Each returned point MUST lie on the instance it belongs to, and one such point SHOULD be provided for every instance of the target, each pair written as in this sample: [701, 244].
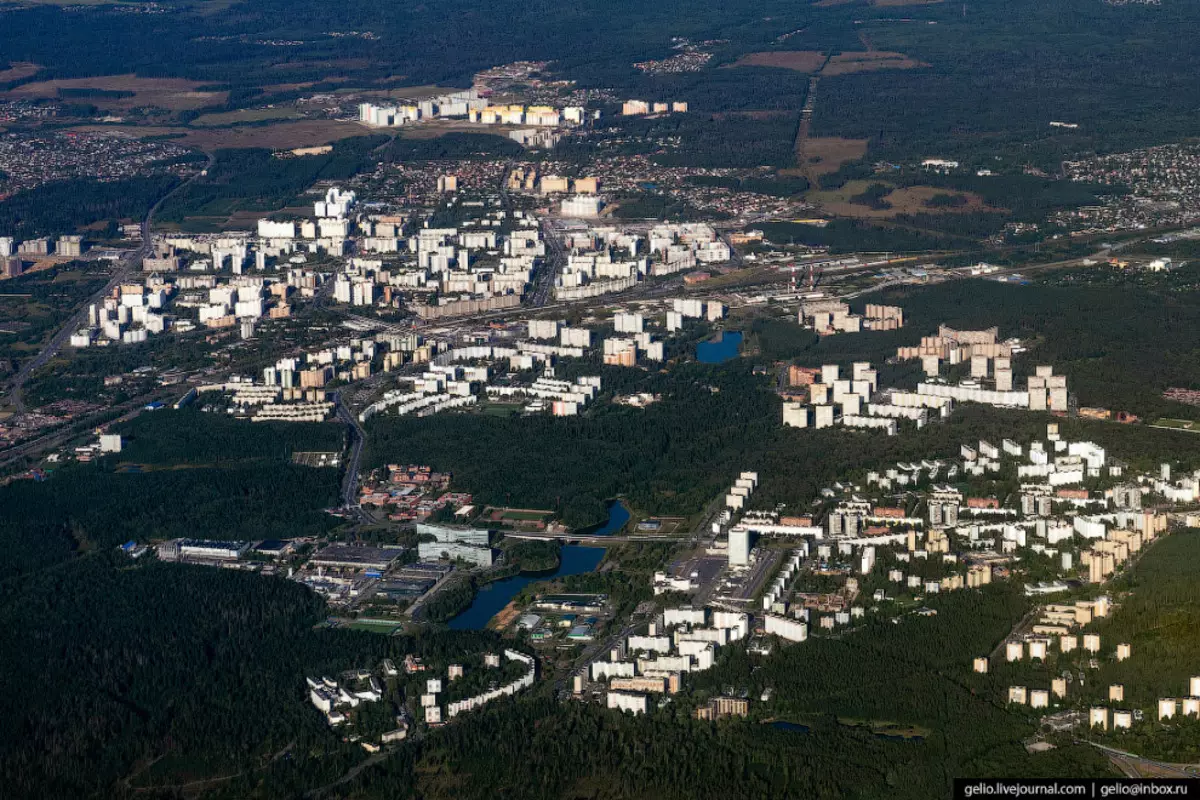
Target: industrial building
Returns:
[356, 557]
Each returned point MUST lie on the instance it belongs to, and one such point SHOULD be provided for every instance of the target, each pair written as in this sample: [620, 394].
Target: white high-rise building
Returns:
[739, 546]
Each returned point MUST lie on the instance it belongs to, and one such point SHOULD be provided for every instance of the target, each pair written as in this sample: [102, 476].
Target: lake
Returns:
[574, 560]
[491, 599]
[618, 515]
[722, 347]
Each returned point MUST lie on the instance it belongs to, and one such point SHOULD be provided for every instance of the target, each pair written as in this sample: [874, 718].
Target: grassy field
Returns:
[374, 625]
[1178, 424]
[245, 115]
[826, 154]
[517, 514]
[525, 516]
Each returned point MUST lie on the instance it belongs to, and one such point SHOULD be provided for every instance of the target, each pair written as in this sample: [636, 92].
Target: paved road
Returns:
[547, 273]
[354, 459]
[1136, 766]
[599, 651]
[572, 538]
[129, 263]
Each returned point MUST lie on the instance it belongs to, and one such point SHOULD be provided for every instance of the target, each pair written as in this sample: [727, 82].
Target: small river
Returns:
[574, 560]
[722, 347]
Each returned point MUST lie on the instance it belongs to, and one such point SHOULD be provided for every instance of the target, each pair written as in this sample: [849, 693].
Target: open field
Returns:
[374, 625]
[799, 60]
[848, 63]
[816, 62]
[908, 200]
[899, 3]
[516, 515]
[406, 92]
[1178, 425]
[18, 71]
[824, 155]
[175, 94]
[245, 115]
[291, 87]
[283, 136]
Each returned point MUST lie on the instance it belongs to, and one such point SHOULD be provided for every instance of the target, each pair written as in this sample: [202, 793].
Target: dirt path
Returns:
[802, 133]
[351, 774]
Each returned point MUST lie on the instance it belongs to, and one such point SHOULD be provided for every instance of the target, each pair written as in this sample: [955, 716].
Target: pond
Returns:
[573, 560]
[618, 515]
[722, 347]
[491, 599]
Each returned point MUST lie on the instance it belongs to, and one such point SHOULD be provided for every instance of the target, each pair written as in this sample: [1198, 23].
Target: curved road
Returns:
[128, 263]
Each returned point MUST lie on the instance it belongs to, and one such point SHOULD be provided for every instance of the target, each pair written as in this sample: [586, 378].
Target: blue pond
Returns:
[722, 347]
[492, 598]
[618, 515]
[574, 560]
[793, 727]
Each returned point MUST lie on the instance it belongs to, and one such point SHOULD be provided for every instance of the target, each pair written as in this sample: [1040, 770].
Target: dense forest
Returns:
[171, 483]
[169, 437]
[69, 206]
[253, 179]
[452, 145]
[857, 236]
[116, 677]
[695, 140]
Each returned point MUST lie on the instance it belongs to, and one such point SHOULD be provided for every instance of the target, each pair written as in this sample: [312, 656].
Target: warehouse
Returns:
[356, 557]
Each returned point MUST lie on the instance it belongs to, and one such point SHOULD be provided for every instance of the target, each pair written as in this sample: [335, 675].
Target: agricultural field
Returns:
[870, 61]
[818, 63]
[121, 92]
[799, 60]
[887, 201]
[826, 154]
[281, 136]
[18, 71]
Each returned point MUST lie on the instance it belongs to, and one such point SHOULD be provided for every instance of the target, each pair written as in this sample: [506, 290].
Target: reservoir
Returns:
[722, 347]
[574, 559]
[618, 515]
[491, 599]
